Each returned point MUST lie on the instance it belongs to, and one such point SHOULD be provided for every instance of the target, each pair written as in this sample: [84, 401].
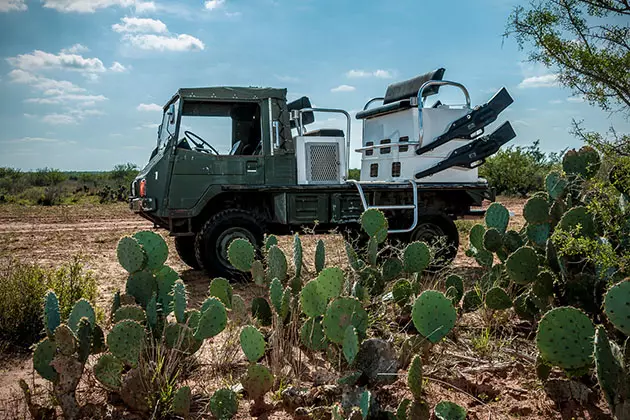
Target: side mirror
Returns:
[171, 113]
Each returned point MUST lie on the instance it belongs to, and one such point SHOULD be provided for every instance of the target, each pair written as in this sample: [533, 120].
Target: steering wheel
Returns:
[190, 134]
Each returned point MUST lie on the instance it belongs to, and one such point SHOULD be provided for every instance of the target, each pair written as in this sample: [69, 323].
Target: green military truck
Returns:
[242, 162]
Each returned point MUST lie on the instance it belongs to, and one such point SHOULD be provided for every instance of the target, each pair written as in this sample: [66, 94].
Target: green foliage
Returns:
[518, 170]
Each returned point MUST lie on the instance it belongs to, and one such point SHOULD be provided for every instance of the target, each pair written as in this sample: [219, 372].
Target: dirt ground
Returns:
[493, 378]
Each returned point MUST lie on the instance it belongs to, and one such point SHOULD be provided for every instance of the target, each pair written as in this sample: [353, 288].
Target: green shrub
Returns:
[22, 290]
[519, 170]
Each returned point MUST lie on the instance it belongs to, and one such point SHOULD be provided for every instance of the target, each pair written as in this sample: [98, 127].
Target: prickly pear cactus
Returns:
[42, 358]
[180, 301]
[578, 216]
[275, 294]
[224, 404]
[584, 162]
[258, 272]
[165, 279]
[261, 311]
[539, 234]
[476, 236]
[471, 301]
[154, 247]
[341, 313]
[221, 289]
[181, 337]
[350, 344]
[213, 319]
[414, 377]
[612, 377]
[492, 240]
[433, 315]
[277, 264]
[131, 312]
[312, 335]
[498, 299]
[556, 185]
[312, 299]
[374, 223]
[401, 292]
[392, 267]
[617, 306]
[141, 285]
[181, 402]
[565, 338]
[257, 381]
[130, 254]
[241, 254]
[320, 256]
[126, 341]
[108, 371]
[416, 257]
[270, 241]
[82, 308]
[455, 281]
[497, 217]
[522, 265]
[330, 282]
[446, 410]
[252, 343]
[512, 241]
[52, 317]
[536, 210]
[297, 255]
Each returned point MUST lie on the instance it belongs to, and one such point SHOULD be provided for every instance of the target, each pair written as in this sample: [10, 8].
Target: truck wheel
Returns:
[440, 232]
[216, 235]
[185, 246]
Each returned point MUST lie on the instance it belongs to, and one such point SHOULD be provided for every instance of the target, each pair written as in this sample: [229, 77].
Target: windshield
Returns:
[169, 123]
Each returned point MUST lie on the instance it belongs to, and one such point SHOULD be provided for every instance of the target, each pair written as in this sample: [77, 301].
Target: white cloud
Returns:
[343, 88]
[59, 119]
[149, 107]
[381, 74]
[183, 42]
[86, 6]
[139, 25]
[214, 4]
[12, 6]
[546, 80]
[40, 60]
[117, 67]
[48, 86]
[31, 140]
[75, 49]
[146, 6]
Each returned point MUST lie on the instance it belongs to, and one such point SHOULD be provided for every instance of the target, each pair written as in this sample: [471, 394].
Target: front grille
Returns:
[323, 162]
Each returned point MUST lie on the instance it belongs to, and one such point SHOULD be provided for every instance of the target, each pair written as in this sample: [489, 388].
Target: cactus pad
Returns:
[257, 381]
[497, 217]
[181, 402]
[130, 254]
[261, 311]
[522, 265]
[165, 279]
[476, 236]
[492, 240]
[365, 404]
[312, 299]
[82, 308]
[536, 210]
[52, 317]
[341, 313]
[455, 281]
[98, 340]
[252, 343]
[240, 315]
[312, 335]
[270, 241]
[543, 286]
[222, 289]
[556, 185]
[65, 340]
[152, 313]
[108, 371]
[297, 255]
[241, 254]
[132, 312]
[585, 162]
[42, 358]
[472, 301]
[538, 234]
[498, 299]
[213, 319]
[277, 264]
[416, 257]
[154, 247]
[224, 404]
[401, 292]
[617, 306]
[320, 256]
[330, 282]
[373, 222]
[258, 272]
[181, 337]
[565, 338]
[350, 345]
[392, 267]
[433, 315]
[446, 410]
[275, 294]
[126, 340]
[512, 241]
[180, 300]
[353, 257]
[578, 216]
[484, 258]
[141, 285]
[285, 307]
[610, 373]
[414, 377]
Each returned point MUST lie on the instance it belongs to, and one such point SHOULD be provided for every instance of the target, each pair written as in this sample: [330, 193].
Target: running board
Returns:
[469, 124]
[474, 153]
[413, 206]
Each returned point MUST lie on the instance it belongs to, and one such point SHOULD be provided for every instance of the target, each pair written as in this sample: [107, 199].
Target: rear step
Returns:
[413, 206]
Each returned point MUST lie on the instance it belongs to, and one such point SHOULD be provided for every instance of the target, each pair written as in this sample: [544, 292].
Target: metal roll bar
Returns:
[442, 83]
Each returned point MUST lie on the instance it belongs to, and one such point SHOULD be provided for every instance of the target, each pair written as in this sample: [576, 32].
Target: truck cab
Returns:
[241, 162]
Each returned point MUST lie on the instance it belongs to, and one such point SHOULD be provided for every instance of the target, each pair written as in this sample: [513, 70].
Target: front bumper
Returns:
[138, 205]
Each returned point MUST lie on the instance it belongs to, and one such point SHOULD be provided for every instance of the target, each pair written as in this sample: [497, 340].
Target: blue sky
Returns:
[83, 81]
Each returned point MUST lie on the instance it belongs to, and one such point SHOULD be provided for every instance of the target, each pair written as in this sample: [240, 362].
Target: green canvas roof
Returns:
[227, 93]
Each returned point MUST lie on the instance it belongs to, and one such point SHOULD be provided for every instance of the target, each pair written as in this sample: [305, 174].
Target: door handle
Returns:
[251, 166]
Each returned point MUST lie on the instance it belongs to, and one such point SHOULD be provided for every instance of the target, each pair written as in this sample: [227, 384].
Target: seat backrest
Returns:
[302, 103]
[409, 88]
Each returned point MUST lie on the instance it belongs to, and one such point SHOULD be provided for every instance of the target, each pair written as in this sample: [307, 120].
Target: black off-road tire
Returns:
[185, 246]
[218, 232]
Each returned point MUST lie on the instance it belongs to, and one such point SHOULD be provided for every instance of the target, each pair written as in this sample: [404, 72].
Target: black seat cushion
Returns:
[409, 88]
[308, 117]
[325, 132]
[385, 109]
